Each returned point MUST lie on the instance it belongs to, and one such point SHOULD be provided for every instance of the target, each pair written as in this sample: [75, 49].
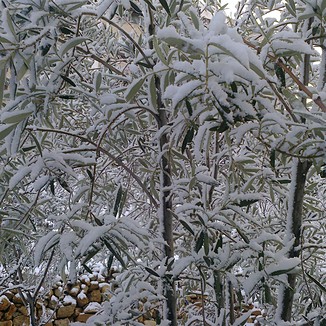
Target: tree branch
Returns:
[301, 86]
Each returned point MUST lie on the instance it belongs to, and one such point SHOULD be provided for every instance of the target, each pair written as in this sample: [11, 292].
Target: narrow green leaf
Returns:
[5, 40]
[68, 80]
[165, 6]
[37, 143]
[200, 241]
[117, 201]
[206, 243]
[170, 264]
[208, 261]
[114, 252]
[110, 261]
[194, 19]
[159, 52]
[67, 96]
[71, 44]
[234, 87]
[135, 8]
[322, 287]
[306, 16]
[187, 226]
[28, 148]
[98, 82]
[87, 269]
[323, 6]
[272, 158]
[63, 183]
[152, 272]
[150, 5]
[281, 272]
[284, 181]
[255, 69]
[219, 243]
[189, 107]
[45, 49]
[268, 294]
[10, 24]
[52, 189]
[16, 117]
[292, 5]
[223, 126]
[23, 70]
[153, 92]
[90, 174]
[188, 139]
[66, 30]
[5, 130]
[2, 84]
[90, 254]
[145, 64]
[133, 88]
[280, 74]
[246, 202]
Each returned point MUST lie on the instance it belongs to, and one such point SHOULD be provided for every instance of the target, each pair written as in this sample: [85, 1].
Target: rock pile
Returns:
[64, 304]
[68, 303]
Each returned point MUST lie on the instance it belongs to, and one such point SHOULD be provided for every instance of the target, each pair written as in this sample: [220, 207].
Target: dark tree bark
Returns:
[295, 220]
[165, 205]
[166, 210]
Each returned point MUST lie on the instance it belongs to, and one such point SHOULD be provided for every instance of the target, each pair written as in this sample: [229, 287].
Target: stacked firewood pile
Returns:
[64, 304]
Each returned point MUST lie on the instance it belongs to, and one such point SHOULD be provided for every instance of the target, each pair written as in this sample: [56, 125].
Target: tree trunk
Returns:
[165, 210]
[294, 224]
[165, 205]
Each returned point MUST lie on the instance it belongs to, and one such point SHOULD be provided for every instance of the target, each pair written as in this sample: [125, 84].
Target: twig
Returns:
[301, 86]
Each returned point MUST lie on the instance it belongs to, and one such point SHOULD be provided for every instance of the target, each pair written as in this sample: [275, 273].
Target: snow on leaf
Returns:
[40, 182]
[19, 176]
[233, 49]
[71, 44]
[92, 236]
[282, 266]
[217, 24]
[104, 6]
[44, 244]
[16, 116]
[178, 93]
[6, 130]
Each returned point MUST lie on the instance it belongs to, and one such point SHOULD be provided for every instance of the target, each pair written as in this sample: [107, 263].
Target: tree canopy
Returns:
[177, 144]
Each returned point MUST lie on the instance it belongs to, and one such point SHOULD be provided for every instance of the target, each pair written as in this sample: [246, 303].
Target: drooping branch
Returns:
[318, 101]
[117, 160]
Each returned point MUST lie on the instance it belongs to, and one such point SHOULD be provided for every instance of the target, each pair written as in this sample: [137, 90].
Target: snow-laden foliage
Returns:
[184, 148]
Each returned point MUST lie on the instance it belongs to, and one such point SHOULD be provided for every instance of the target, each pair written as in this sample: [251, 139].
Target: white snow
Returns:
[69, 300]
[92, 306]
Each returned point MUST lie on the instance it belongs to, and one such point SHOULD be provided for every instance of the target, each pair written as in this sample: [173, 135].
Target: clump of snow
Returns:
[92, 307]
[81, 295]
[68, 300]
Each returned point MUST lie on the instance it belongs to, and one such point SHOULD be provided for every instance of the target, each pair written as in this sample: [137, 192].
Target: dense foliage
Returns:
[184, 148]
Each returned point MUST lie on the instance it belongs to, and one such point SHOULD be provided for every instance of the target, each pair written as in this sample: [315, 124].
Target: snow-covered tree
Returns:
[180, 146]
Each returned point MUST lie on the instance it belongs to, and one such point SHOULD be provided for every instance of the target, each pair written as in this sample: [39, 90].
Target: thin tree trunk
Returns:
[294, 228]
[165, 206]
[166, 211]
